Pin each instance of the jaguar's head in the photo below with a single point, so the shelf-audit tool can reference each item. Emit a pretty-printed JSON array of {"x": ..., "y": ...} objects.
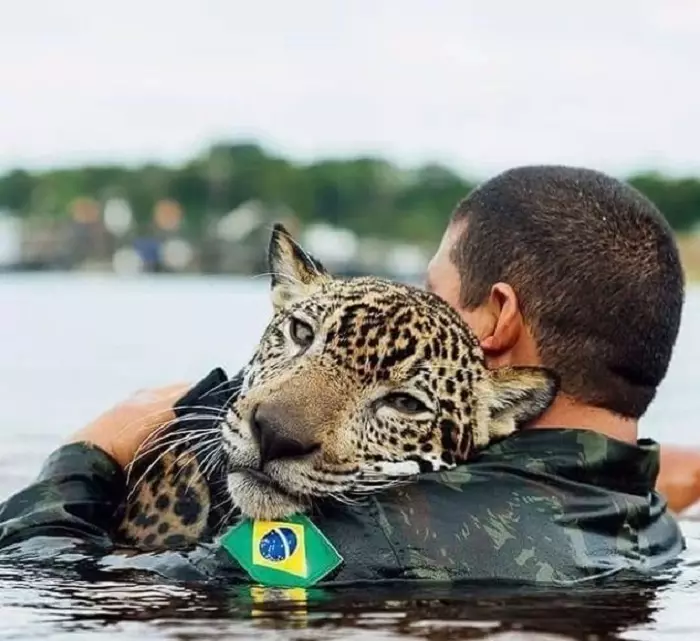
[{"x": 358, "y": 384}]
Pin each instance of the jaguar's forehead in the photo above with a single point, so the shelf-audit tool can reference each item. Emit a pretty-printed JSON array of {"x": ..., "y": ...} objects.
[
  {"x": 367, "y": 303},
  {"x": 388, "y": 323}
]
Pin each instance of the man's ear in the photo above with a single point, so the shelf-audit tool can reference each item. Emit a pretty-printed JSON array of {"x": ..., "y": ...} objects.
[
  {"x": 519, "y": 395},
  {"x": 506, "y": 321},
  {"x": 294, "y": 273}
]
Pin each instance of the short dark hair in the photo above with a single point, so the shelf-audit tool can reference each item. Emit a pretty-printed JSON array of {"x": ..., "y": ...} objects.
[{"x": 597, "y": 272}]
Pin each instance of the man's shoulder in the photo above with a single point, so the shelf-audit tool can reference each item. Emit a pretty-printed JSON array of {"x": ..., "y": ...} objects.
[
  {"x": 539, "y": 514},
  {"x": 483, "y": 493}
]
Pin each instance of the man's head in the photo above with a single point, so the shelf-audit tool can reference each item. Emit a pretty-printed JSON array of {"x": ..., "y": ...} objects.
[{"x": 571, "y": 269}]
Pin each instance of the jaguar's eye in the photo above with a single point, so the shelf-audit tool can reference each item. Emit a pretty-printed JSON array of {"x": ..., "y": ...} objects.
[
  {"x": 302, "y": 333},
  {"x": 405, "y": 403}
]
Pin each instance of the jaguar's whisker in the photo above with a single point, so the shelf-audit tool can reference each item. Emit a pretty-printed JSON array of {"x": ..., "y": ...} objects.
[
  {"x": 148, "y": 469},
  {"x": 150, "y": 445}
]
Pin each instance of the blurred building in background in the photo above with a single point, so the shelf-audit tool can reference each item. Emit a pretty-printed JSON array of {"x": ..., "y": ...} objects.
[{"x": 103, "y": 236}]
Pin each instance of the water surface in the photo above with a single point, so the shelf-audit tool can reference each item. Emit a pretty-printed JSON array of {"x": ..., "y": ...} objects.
[{"x": 73, "y": 345}]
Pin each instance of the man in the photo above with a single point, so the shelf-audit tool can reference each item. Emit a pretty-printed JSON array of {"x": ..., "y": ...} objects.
[
  {"x": 557, "y": 266},
  {"x": 573, "y": 270}
]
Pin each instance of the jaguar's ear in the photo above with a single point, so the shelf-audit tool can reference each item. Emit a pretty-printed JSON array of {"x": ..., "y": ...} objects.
[
  {"x": 294, "y": 273},
  {"x": 519, "y": 395}
]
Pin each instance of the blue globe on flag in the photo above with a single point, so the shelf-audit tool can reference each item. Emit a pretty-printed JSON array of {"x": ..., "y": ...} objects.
[{"x": 278, "y": 544}]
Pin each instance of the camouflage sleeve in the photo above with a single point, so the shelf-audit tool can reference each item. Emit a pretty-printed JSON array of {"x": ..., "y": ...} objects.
[{"x": 76, "y": 495}]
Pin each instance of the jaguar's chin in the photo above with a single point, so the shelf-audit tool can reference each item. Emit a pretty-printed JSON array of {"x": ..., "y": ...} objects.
[{"x": 260, "y": 497}]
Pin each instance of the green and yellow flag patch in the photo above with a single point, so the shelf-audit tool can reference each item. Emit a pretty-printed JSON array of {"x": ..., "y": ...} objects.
[{"x": 292, "y": 553}]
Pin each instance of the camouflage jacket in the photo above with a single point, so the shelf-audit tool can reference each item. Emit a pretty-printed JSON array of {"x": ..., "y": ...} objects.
[{"x": 552, "y": 506}]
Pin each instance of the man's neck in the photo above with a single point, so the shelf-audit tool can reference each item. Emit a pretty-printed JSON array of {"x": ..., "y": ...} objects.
[{"x": 567, "y": 413}]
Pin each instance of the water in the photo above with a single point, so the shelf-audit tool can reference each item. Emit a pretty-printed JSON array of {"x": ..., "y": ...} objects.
[{"x": 74, "y": 345}]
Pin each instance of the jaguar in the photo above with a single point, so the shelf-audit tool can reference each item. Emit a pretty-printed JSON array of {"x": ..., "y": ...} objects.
[{"x": 357, "y": 385}]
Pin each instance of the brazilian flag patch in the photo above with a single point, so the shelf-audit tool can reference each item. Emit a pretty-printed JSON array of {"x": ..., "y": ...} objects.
[{"x": 292, "y": 553}]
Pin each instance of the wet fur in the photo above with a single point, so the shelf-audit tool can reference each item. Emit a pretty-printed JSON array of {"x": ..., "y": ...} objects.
[{"x": 170, "y": 507}]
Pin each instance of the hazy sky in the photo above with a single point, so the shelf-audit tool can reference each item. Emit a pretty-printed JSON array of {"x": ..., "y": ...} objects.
[{"x": 478, "y": 85}]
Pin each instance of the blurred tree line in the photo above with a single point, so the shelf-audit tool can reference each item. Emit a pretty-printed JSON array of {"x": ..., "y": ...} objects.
[{"x": 368, "y": 195}]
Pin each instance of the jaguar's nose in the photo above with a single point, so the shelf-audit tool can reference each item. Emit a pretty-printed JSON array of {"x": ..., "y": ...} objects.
[{"x": 268, "y": 430}]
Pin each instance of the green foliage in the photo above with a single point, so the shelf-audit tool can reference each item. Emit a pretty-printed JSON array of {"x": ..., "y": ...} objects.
[
  {"x": 367, "y": 195},
  {"x": 678, "y": 199}
]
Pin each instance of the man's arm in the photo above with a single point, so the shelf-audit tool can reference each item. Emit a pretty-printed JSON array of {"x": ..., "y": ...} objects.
[
  {"x": 81, "y": 486},
  {"x": 76, "y": 495}
]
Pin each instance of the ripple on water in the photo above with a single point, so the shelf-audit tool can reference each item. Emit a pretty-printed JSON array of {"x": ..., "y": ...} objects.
[{"x": 45, "y": 601}]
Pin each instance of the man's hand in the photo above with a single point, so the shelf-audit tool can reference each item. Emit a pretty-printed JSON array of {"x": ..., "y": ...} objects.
[
  {"x": 679, "y": 476},
  {"x": 123, "y": 429}
]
